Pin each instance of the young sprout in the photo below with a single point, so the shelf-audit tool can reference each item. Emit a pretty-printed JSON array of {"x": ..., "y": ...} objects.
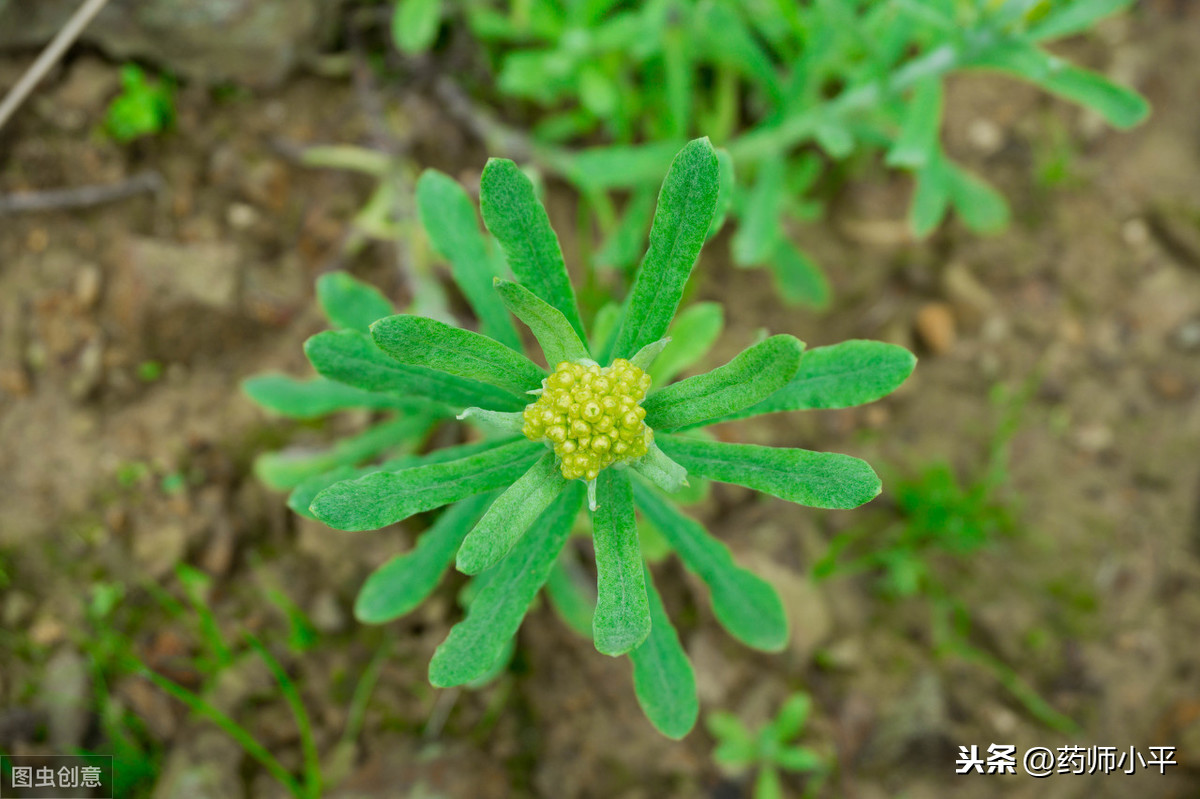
[
  {"x": 595, "y": 424},
  {"x": 770, "y": 750}
]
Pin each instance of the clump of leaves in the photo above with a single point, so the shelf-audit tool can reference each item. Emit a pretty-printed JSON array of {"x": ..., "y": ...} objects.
[
  {"x": 792, "y": 89},
  {"x": 593, "y": 425},
  {"x": 145, "y": 106},
  {"x": 769, "y": 751}
]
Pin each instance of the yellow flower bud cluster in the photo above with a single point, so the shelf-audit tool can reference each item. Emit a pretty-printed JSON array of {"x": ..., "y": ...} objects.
[{"x": 591, "y": 416}]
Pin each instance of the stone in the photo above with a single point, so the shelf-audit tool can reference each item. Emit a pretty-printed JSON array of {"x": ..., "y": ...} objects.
[
  {"x": 65, "y": 696},
  {"x": 255, "y": 42},
  {"x": 971, "y": 301},
  {"x": 935, "y": 327}
]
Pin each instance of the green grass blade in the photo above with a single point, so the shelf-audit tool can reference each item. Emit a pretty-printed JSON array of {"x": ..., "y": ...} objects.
[
  {"x": 509, "y": 517},
  {"x": 384, "y": 498},
  {"x": 685, "y": 209},
  {"x": 350, "y": 303},
  {"x": 420, "y": 341},
  {"x": 558, "y": 340},
  {"x": 745, "y": 604},
  {"x": 495, "y": 613},
  {"x": 816, "y": 479},
  {"x": 753, "y": 375},
  {"x": 622, "y": 619},
  {"x": 350, "y": 357},
  {"x": 308, "y": 742},
  {"x": 662, "y": 676},
  {"x": 449, "y": 217},
  {"x": 515, "y": 216},
  {"x": 407, "y": 580}
]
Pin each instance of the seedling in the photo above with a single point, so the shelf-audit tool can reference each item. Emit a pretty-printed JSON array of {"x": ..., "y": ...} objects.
[
  {"x": 143, "y": 108},
  {"x": 591, "y": 426},
  {"x": 770, "y": 750}
]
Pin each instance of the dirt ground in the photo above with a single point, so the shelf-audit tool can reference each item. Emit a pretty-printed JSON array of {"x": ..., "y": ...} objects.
[{"x": 127, "y": 449}]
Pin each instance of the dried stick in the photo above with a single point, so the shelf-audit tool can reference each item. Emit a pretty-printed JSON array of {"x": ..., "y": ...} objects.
[
  {"x": 81, "y": 196},
  {"x": 49, "y": 57}
]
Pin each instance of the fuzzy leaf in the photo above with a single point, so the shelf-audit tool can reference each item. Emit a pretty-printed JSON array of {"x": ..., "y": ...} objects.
[
  {"x": 515, "y": 216},
  {"x": 622, "y": 619},
  {"x": 620, "y": 166},
  {"x": 981, "y": 207},
  {"x": 919, "y": 140},
  {"x": 685, "y": 209},
  {"x": 662, "y": 676},
  {"x": 384, "y": 498},
  {"x": 558, "y": 340},
  {"x": 604, "y": 326},
  {"x": 424, "y": 342},
  {"x": 753, "y": 375},
  {"x": 350, "y": 357},
  {"x": 728, "y": 180},
  {"x": 815, "y": 479},
  {"x": 931, "y": 197},
  {"x": 309, "y": 399},
  {"x": 843, "y": 375},
  {"x": 1065, "y": 19},
  {"x": 573, "y": 600},
  {"x": 449, "y": 217},
  {"x": 507, "y": 520},
  {"x": 692, "y": 333},
  {"x": 797, "y": 277},
  {"x": 745, "y": 605},
  {"x": 646, "y": 356},
  {"x": 407, "y": 580},
  {"x": 495, "y": 613},
  {"x": 660, "y": 470},
  {"x": 350, "y": 303},
  {"x": 623, "y": 246},
  {"x": 758, "y": 223}
]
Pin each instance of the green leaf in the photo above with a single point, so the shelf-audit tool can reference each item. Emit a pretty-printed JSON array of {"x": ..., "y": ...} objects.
[
  {"x": 622, "y": 619},
  {"x": 495, "y": 613},
  {"x": 519, "y": 222},
  {"x": 685, "y": 209},
  {"x": 660, "y": 470},
  {"x": 662, "y": 676},
  {"x": 843, "y": 375},
  {"x": 815, "y": 479},
  {"x": 449, "y": 217},
  {"x": 384, "y": 498},
  {"x": 619, "y": 166},
  {"x": 931, "y": 197},
  {"x": 726, "y": 727},
  {"x": 726, "y": 39},
  {"x": 799, "y": 759},
  {"x": 309, "y": 399},
  {"x": 604, "y": 326},
  {"x": 350, "y": 303},
  {"x": 1121, "y": 107},
  {"x": 286, "y": 469},
  {"x": 407, "y": 580},
  {"x": 797, "y": 277},
  {"x": 758, "y": 223},
  {"x": 692, "y": 333},
  {"x": 554, "y": 333},
  {"x": 753, "y": 375},
  {"x": 728, "y": 180},
  {"x": 509, "y": 517},
  {"x": 646, "y": 356},
  {"x": 420, "y": 341},
  {"x": 745, "y": 605},
  {"x": 919, "y": 140},
  {"x": 768, "y": 785},
  {"x": 623, "y": 246},
  {"x": 981, "y": 207},
  {"x": 350, "y": 357},
  {"x": 572, "y": 599},
  {"x": 1065, "y": 19},
  {"x": 790, "y": 719},
  {"x": 415, "y": 25}
]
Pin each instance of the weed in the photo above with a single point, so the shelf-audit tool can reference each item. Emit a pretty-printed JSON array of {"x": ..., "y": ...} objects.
[
  {"x": 144, "y": 107},
  {"x": 771, "y": 750}
]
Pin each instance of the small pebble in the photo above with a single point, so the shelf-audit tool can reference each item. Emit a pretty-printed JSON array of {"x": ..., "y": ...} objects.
[
  {"x": 935, "y": 327},
  {"x": 985, "y": 136},
  {"x": 87, "y": 285}
]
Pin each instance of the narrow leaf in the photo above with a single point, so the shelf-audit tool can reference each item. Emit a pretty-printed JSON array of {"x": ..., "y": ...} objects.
[
  {"x": 1074, "y": 17},
  {"x": 622, "y": 619},
  {"x": 646, "y": 356},
  {"x": 798, "y": 278},
  {"x": 350, "y": 303},
  {"x": 309, "y": 399},
  {"x": 519, "y": 222},
  {"x": 918, "y": 139},
  {"x": 981, "y": 207},
  {"x": 745, "y": 605},
  {"x": 420, "y": 341},
  {"x": 407, "y": 580},
  {"x": 755, "y": 374},
  {"x": 500, "y": 422},
  {"x": 656, "y": 467},
  {"x": 558, "y": 340},
  {"x": 843, "y": 375},
  {"x": 495, "y": 613},
  {"x": 350, "y": 357},
  {"x": 619, "y": 166},
  {"x": 685, "y": 209},
  {"x": 510, "y": 516},
  {"x": 728, "y": 179},
  {"x": 815, "y": 479},
  {"x": 623, "y": 246},
  {"x": 384, "y": 498},
  {"x": 790, "y": 719},
  {"x": 692, "y": 333},
  {"x": 758, "y": 222},
  {"x": 662, "y": 676},
  {"x": 572, "y": 599},
  {"x": 931, "y": 197},
  {"x": 415, "y": 25},
  {"x": 449, "y": 217}
]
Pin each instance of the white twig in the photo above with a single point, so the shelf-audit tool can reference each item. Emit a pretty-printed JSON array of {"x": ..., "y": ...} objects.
[{"x": 49, "y": 57}]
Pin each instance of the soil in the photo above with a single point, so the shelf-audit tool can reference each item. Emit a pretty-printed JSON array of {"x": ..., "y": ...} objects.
[{"x": 128, "y": 448}]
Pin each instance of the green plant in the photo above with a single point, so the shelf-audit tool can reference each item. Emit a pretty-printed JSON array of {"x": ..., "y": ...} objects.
[
  {"x": 771, "y": 750},
  {"x": 791, "y": 89},
  {"x": 143, "y": 108},
  {"x": 606, "y": 432}
]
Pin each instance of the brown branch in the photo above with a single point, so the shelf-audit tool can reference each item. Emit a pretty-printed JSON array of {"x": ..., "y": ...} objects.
[{"x": 81, "y": 196}]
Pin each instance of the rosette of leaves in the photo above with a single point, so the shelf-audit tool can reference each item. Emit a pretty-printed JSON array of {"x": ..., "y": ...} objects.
[
  {"x": 511, "y": 507},
  {"x": 770, "y": 750}
]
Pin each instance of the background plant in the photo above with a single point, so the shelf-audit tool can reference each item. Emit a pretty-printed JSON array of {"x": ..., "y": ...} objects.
[
  {"x": 770, "y": 750},
  {"x": 511, "y": 509},
  {"x": 145, "y": 106},
  {"x": 791, "y": 89}
]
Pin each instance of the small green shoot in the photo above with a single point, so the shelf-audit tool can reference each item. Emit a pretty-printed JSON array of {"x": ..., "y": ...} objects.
[
  {"x": 770, "y": 750},
  {"x": 145, "y": 107}
]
